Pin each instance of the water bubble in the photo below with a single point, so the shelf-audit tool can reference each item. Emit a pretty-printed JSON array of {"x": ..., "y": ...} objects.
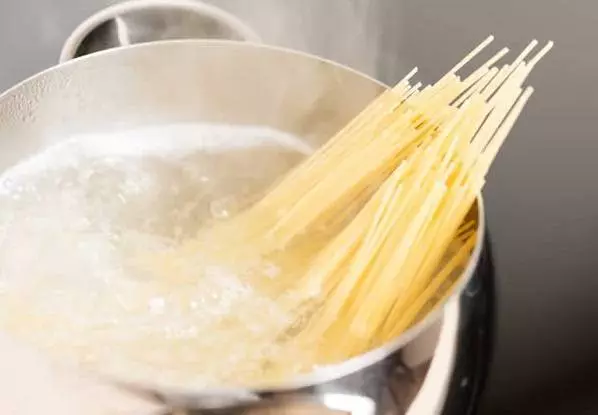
[
  {"x": 223, "y": 208},
  {"x": 156, "y": 305},
  {"x": 271, "y": 270}
]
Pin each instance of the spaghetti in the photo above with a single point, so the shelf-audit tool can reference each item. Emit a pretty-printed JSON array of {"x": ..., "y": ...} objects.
[{"x": 370, "y": 231}]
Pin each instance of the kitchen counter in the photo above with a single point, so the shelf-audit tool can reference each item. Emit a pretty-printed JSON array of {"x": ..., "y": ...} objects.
[{"x": 542, "y": 197}]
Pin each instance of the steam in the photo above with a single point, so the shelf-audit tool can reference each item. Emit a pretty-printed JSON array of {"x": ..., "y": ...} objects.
[{"x": 362, "y": 34}]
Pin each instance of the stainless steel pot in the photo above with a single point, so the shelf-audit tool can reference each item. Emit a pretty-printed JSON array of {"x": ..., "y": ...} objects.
[{"x": 232, "y": 83}]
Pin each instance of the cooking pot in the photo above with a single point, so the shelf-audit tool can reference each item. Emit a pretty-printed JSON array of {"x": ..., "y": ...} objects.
[
  {"x": 225, "y": 82},
  {"x": 232, "y": 83}
]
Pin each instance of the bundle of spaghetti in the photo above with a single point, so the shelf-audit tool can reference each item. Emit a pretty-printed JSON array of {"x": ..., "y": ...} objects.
[
  {"x": 377, "y": 275},
  {"x": 371, "y": 232}
]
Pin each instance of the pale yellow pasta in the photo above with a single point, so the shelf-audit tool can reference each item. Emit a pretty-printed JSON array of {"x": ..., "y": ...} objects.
[{"x": 371, "y": 231}]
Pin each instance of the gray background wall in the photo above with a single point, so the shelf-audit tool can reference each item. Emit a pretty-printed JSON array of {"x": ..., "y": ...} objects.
[{"x": 542, "y": 196}]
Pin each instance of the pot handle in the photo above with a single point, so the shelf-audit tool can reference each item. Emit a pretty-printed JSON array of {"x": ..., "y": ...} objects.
[{"x": 142, "y": 21}]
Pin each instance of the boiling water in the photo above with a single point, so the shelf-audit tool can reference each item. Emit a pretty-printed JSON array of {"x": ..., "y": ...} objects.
[{"x": 76, "y": 218}]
